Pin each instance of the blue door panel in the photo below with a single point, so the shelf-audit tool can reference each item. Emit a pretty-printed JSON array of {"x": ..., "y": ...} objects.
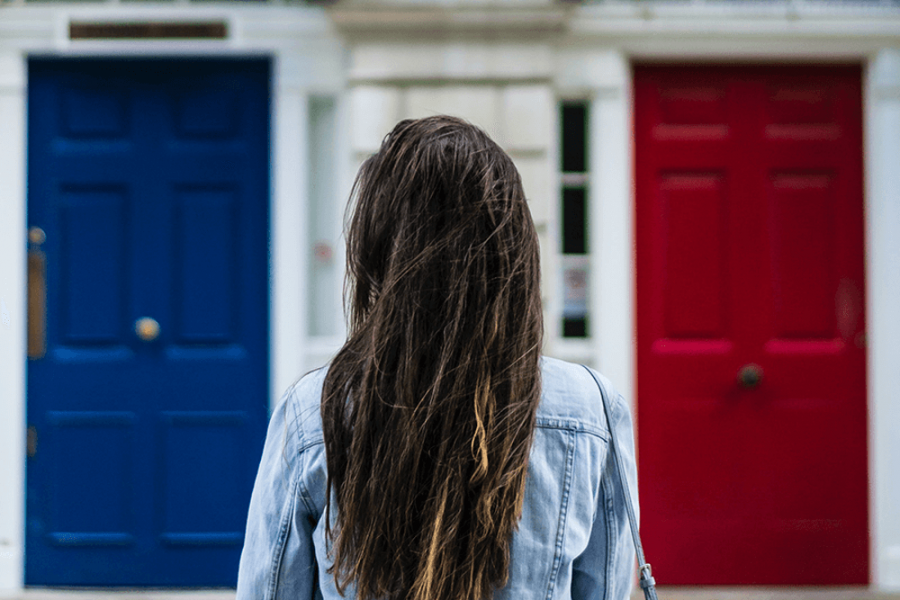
[
  {"x": 150, "y": 179},
  {"x": 207, "y": 309},
  {"x": 92, "y": 314},
  {"x": 99, "y": 511}
]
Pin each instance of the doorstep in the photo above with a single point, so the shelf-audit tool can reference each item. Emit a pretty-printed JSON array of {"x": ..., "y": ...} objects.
[
  {"x": 665, "y": 593},
  {"x": 770, "y": 593}
]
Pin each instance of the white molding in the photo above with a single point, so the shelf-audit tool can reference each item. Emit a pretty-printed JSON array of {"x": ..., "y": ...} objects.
[
  {"x": 882, "y": 134},
  {"x": 290, "y": 245},
  {"x": 446, "y": 20},
  {"x": 12, "y": 322},
  {"x": 889, "y": 567},
  {"x": 441, "y": 60},
  {"x": 610, "y": 214},
  {"x": 769, "y": 19},
  {"x": 344, "y": 176},
  {"x": 791, "y": 31},
  {"x": 43, "y": 28},
  {"x": 605, "y": 76}
]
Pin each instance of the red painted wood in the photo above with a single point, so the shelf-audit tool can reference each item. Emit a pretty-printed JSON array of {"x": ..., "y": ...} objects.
[{"x": 749, "y": 232}]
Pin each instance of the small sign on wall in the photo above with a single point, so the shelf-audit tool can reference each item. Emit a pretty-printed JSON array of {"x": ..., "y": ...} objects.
[{"x": 575, "y": 273}]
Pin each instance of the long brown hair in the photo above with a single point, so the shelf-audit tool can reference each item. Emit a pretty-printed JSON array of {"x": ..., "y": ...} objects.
[{"x": 429, "y": 407}]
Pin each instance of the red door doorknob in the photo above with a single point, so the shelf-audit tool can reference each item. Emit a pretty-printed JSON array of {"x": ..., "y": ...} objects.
[{"x": 749, "y": 376}]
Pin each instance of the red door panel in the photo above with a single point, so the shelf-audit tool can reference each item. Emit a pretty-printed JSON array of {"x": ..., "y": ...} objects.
[{"x": 750, "y": 256}]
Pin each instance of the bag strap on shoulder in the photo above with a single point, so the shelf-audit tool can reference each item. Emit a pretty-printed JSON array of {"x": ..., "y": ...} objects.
[{"x": 648, "y": 584}]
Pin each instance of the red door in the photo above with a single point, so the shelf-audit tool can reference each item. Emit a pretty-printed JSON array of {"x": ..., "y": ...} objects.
[{"x": 750, "y": 324}]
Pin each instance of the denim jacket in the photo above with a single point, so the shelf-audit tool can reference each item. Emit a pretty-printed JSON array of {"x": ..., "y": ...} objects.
[{"x": 573, "y": 540}]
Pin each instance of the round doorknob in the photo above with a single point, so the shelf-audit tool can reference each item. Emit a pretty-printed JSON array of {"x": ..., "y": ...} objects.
[
  {"x": 146, "y": 328},
  {"x": 36, "y": 236},
  {"x": 749, "y": 376}
]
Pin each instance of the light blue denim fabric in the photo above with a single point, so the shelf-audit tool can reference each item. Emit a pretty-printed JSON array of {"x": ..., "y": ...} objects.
[{"x": 573, "y": 540}]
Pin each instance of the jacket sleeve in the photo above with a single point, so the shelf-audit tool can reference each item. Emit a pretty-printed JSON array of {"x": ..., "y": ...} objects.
[
  {"x": 606, "y": 569},
  {"x": 278, "y": 559}
]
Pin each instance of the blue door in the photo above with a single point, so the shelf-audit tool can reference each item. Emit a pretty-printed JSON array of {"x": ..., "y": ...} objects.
[{"x": 147, "y": 406}]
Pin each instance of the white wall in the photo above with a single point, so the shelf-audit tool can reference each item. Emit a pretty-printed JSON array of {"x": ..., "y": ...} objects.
[
  {"x": 502, "y": 87},
  {"x": 12, "y": 318},
  {"x": 883, "y": 309}
]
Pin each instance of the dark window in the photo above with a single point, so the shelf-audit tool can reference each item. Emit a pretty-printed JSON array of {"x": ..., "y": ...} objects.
[
  {"x": 575, "y": 327},
  {"x": 574, "y": 137},
  {"x": 574, "y": 218}
]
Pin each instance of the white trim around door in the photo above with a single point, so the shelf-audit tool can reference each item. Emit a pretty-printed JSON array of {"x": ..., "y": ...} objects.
[
  {"x": 307, "y": 61},
  {"x": 595, "y": 62}
]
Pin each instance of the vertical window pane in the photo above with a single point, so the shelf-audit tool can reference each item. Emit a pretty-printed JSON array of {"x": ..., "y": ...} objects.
[
  {"x": 324, "y": 275},
  {"x": 575, "y": 327},
  {"x": 574, "y": 137},
  {"x": 574, "y": 221},
  {"x": 575, "y": 295}
]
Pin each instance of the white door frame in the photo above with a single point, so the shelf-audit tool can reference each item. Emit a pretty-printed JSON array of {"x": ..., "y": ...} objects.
[
  {"x": 596, "y": 61},
  {"x": 306, "y": 60}
]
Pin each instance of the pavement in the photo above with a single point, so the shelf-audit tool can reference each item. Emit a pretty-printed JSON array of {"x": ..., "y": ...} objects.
[
  {"x": 763, "y": 593},
  {"x": 118, "y": 594},
  {"x": 665, "y": 593}
]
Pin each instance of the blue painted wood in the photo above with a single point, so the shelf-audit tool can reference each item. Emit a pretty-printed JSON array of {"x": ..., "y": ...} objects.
[{"x": 150, "y": 179}]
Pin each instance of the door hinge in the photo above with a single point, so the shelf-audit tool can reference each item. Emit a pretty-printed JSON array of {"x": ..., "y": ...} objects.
[{"x": 31, "y": 441}]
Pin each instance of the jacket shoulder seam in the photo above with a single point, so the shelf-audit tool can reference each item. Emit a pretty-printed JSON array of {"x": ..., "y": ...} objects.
[{"x": 304, "y": 408}]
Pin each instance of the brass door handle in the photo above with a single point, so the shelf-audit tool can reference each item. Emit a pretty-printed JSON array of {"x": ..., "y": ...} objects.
[
  {"x": 749, "y": 376},
  {"x": 37, "y": 294},
  {"x": 147, "y": 328},
  {"x": 31, "y": 441}
]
